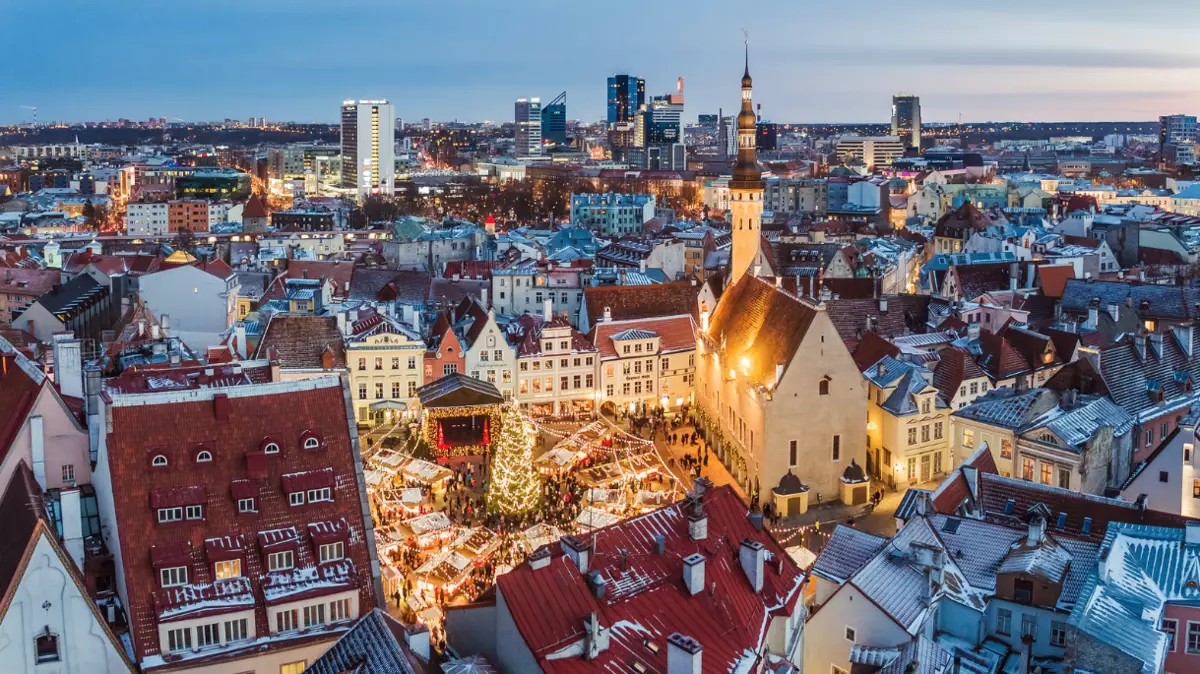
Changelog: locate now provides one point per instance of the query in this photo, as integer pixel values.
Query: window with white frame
(314, 615)
(208, 635)
(195, 512)
(280, 561)
(1193, 638)
(331, 552)
(235, 630)
(322, 494)
(1004, 621)
(1029, 625)
(246, 505)
(271, 448)
(849, 634)
(227, 569)
(179, 640)
(296, 498)
(68, 473)
(339, 610)
(313, 443)
(169, 515)
(204, 456)
(287, 620)
(158, 461)
(173, 576)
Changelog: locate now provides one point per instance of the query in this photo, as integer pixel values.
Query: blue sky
(812, 60)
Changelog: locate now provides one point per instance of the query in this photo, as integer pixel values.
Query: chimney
(698, 524)
(416, 637)
(68, 365)
(642, 265)
(1093, 318)
(327, 358)
(540, 558)
(608, 313)
(1191, 533)
(1070, 397)
(416, 321)
(683, 654)
(1036, 531)
(883, 304)
(693, 573)
(701, 485)
(72, 525)
(660, 544)
(164, 322)
(1114, 310)
(483, 297)
(1184, 335)
(1030, 272)
(778, 281)
(753, 557)
(1139, 342)
(155, 332)
(221, 407)
(756, 519)
(343, 325)
(1156, 341)
(37, 449)
(547, 309)
(598, 583)
(880, 368)
(141, 328)
(240, 336)
(577, 550)
(595, 639)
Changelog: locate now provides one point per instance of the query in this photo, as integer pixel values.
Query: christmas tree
(514, 487)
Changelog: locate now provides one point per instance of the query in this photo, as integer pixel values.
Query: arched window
(158, 461)
(270, 448)
(311, 443)
(203, 456)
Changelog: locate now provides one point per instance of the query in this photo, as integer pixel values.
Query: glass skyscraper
(626, 95)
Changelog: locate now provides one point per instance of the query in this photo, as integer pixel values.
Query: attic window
(271, 448)
(158, 461)
(638, 667)
(311, 442)
(950, 526)
(203, 456)
(47, 647)
(651, 646)
(1087, 525)
(1062, 521)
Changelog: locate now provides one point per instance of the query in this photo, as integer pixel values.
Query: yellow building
(386, 359)
(908, 438)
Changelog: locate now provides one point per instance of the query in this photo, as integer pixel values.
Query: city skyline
(1090, 65)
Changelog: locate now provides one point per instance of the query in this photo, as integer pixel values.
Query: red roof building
(695, 581)
(237, 520)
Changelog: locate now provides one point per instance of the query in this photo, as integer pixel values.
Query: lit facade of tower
(369, 147)
(906, 119)
(746, 188)
(528, 120)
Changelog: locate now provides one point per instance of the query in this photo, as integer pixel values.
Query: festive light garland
(514, 488)
(430, 427)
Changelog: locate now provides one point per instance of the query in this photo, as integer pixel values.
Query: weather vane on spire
(746, 36)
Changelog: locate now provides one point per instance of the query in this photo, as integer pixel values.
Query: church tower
(746, 188)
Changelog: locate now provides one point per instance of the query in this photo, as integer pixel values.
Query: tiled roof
(1053, 278)
(20, 382)
(235, 424)
(762, 324)
(21, 508)
(405, 287)
(853, 318)
(525, 334)
(646, 599)
(999, 358)
(630, 302)
(300, 342)
(954, 367)
(28, 282)
(977, 279)
(338, 273)
(75, 296)
(847, 550)
(1166, 368)
(1173, 302)
(375, 645)
(677, 333)
(958, 223)
(254, 208)
(1008, 407)
(1080, 424)
(871, 348)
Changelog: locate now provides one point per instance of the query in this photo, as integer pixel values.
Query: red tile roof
(626, 302)
(871, 348)
(647, 599)
(28, 282)
(234, 424)
(954, 367)
(1053, 278)
(338, 273)
(677, 333)
(20, 383)
(254, 208)
(302, 341)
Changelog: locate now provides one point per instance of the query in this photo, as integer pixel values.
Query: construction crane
(34, 108)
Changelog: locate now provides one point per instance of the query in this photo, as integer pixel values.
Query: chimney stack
(683, 654)
(1036, 531)
(693, 573)
(608, 313)
(68, 365)
(540, 558)
(577, 550)
(483, 297)
(416, 637)
(698, 524)
(240, 335)
(753, 556)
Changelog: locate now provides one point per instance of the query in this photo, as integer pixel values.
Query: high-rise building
(528, 127)
(368, 147)
(874, 151)
(554, 120)
(626, 95)
(906, 119)
(746, 189)
(768, 137)
(1177, 129)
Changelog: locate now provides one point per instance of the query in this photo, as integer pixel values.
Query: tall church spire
(746, 189)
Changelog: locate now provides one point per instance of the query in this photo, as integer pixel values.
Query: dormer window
(203, 456)
(271, 448)
(159, 461)
(47, 647)
(311, 443)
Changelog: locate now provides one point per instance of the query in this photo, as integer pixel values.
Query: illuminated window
(228, 569)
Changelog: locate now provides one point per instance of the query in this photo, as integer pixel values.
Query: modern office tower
(708, 121)
(554, 120)
(906, 119)
(368, 147)
(626, 95)
(768, 136)
(1177, 129)
(529, 127)
(874, 151)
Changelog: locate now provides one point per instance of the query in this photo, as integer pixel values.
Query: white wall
(825, 641)
(47, 596)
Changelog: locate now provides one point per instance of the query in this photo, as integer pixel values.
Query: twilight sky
(812, 60)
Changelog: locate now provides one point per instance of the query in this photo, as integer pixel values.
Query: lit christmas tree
(514, 487)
